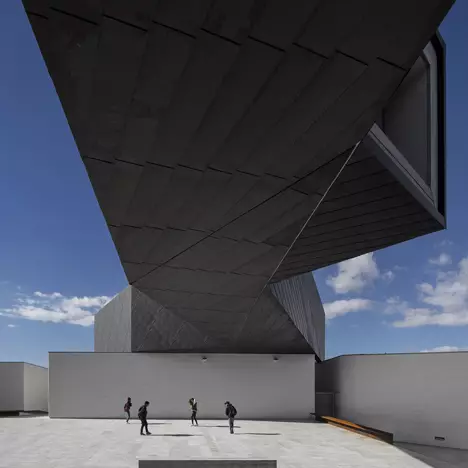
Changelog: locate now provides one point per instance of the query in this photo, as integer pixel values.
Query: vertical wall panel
(36, 388)
(417, 397)
(11, 386)
(23, 387)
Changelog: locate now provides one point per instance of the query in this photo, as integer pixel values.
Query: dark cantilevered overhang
(212, 130)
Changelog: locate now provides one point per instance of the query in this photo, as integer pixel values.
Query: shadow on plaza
(173, 435)
(224, 427)
(136, 421)
(436, 457)
(15, 414)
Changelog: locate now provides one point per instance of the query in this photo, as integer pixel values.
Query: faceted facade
(233, 146)
(288, 319)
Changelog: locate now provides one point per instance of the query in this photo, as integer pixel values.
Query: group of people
(230, 412)
(142, 415)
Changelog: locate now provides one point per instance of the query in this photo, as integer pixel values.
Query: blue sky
(53, 238)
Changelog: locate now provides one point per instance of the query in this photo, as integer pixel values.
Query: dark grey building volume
(236, 146)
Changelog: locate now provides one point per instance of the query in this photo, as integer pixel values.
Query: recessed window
(407, 119)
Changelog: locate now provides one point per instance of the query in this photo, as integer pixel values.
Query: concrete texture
(210, 132)
(420, 397)
(53, 443)
(96, 385)
(300, 298)
(23, 387)
(113, 325)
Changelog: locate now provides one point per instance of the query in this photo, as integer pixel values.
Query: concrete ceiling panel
(280, 22)
(232, 19)
(253, 65)
(183, 15)
(295, 71)
(171, 243)
(151, 189)
(210, 61)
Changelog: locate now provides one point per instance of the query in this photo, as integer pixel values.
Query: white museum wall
(96, 385)
(11, 386)
(417, 397)
(36, 388)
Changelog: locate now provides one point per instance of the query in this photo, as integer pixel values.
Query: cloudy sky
(58, 265)
(376, 303)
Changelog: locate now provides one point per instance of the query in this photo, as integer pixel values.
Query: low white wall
(213, 463)
(36, 388)
(11, 386)
(96, 385)
(417, 397)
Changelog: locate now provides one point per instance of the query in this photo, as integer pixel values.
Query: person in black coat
(194, 407)
(142, 415)
(127, 407)
(231, 413)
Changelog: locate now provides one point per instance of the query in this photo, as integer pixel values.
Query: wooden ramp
(358, 428)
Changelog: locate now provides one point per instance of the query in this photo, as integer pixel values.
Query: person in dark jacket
(142, 415)
(231, 413)
(194, 407)
(127, 407)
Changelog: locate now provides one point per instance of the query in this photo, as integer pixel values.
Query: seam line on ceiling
(73, 15)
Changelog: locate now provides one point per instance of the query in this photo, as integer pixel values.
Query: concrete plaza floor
(53, 443)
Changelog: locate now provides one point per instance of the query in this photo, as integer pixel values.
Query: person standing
(127, 407)
(142, 415)
(231, 413)
(194, 407)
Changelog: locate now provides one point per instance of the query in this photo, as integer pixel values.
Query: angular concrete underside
(288, 318)
(211, 130)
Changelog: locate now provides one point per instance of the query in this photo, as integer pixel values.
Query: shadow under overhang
(379, 200)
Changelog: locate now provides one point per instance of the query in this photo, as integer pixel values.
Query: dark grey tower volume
(234, 146)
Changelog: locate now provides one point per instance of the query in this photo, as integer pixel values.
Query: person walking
(194, 407)
(231, 413)
(142, 415)
(127, 407)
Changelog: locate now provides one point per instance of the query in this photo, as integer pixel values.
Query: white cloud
(357, 273)
(442, 260)
(343, 307)
(54, 295)
(394, 305)
(393, 300)
(388, 276)
(444, 303)
(445, 243)
(55, 307)
(354, 274)
(10, 325)
(443, 349)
